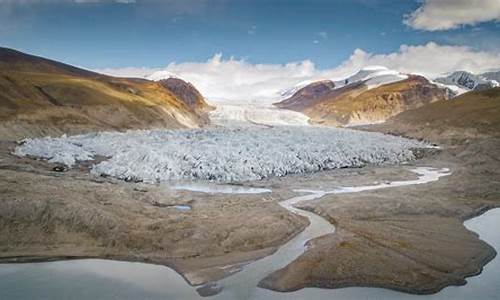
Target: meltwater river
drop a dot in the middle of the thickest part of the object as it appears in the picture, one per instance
(104, 279)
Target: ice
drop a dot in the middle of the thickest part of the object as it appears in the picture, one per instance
(222, 154)
(373, 76)
(230, 115)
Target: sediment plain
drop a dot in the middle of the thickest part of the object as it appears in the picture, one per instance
(410, 238)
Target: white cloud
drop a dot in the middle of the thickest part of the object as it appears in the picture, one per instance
(429, 60)
(448, 14)
(240, 81)
(136, 72)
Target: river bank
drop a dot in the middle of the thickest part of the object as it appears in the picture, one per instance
(90, 278)
(74, 214)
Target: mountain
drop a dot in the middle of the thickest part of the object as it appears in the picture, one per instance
(373, 76)
(369, 96)
(493, 76)
(187, 93)
(308, 95)
(467, 117)
(40, 97)
(467, 81)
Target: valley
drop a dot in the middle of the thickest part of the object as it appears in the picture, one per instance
(243, 200)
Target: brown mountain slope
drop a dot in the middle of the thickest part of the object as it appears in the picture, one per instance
(186, 92)
(356, 104)
(470, 116)
(43, 97)
(308, 95)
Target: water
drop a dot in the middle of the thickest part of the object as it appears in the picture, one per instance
(219, 188)
(182, 207)
(104, 279)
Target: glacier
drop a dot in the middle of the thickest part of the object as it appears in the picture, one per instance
(221, 154)
(247, 114)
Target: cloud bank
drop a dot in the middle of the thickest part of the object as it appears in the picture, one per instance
(449, 14)
(237, 80)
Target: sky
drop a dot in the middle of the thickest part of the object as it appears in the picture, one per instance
(302, 39)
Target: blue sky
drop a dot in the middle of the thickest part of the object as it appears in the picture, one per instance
(107, 34)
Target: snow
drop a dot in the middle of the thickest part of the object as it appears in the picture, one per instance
(455, 89)
(230, 115)
(289, 92)
(373, 76)
(465, 80)
(222, 154)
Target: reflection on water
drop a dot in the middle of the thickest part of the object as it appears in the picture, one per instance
(103, 279)
(485, 286)
(91, 279)
(213, 188)
(182, 207)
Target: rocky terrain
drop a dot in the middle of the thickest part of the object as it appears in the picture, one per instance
(493, 75)
(405, 238)
(412, 239)
(474, 116)
(46, 214)
(308, 95)
(187, 93)
(468, 81)
(359, 102)
(40, 97)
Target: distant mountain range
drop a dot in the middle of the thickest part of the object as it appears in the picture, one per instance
(44, 97)
(374, 94)
(370, 96)
(40, 97)
(470, 82)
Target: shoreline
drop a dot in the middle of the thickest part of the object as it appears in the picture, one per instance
(358, 176)
(40, 259)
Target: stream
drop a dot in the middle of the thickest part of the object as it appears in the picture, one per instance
(104, 279)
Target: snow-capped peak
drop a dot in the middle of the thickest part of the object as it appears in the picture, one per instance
(467, 81)
(373, 76)
(374, 68)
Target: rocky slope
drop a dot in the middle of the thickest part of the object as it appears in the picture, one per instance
(468, 117)
(467, 81)
(44, 97)
(493, 75)
(308, 95)
(370, 100)
(187, 93)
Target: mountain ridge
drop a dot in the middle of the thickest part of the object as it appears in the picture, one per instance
(40, 97)
(370, 99)
(467, 80)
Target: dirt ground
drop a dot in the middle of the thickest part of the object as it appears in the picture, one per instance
(410, 238)
(405, 238)
(46, 215)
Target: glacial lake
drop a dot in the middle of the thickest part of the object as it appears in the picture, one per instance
(106, 279)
